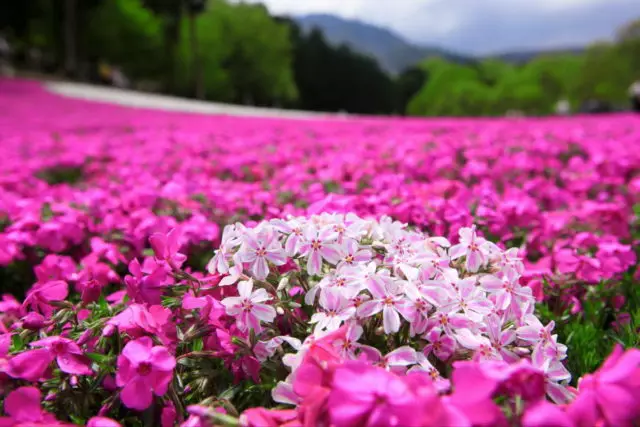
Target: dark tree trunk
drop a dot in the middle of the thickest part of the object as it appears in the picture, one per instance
(196, 66)
(70, 59)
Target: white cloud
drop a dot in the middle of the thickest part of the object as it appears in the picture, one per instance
(479, 26)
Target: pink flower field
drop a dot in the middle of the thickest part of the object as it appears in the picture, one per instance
(166, 269)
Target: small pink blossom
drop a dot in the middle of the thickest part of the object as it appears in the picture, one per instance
(143, 370)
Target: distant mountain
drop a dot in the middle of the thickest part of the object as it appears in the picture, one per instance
(520, 57)
(394, 54)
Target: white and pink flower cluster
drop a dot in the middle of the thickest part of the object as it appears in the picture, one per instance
(410, 301)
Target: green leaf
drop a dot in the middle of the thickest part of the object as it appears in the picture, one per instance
(17, 343)
(98, 358)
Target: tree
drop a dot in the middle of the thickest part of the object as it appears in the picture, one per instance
(408, 83)
(170, 12)
(195, 8)
(129, 36)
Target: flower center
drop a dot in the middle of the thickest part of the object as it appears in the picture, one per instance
(247, 305)
(434, 374)
(144, 368)
(261, 252)
(388, 301)
(315, 245)
(349, 259)
(57, 348)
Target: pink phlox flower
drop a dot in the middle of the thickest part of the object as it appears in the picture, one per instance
(11, 307)
(258, 248)
(200, 416)
(500, 338)
(419, 302)
(449, 322)
(230, 240)
(41, 295)
(472, 395)
(534, 332)
(295, 230)
(442, 346)
(506, 290)
(67, 353)
(108, 251)
(55, 267)
(432, 261)
(262, 417)
(397, 360)
(511, 259)
(611, 395)
(319, 245)
(348, 346)
(266, 349)
(248, 307)
(30, 365)
(143, 288)
(546, 414)
(351, 253)
(483, 350)
(517, 379)
(23, 408)
(102, 422)
(475, 249)
(386, 297)
(364, 395)
(424, 365)
(336, 310)
(137, 320)
(166, 247)
(143, 370)
(210, 308)
(464, 296)
(556, 376)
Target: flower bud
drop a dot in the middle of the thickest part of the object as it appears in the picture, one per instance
(284, 282)
(108, 330)
(86, 335)
(33, 321)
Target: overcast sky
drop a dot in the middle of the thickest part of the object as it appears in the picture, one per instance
(480, 26)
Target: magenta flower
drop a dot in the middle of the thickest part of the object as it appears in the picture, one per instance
(30, 365)
(143, 370)
(41, 295)
(23, 409)
(143, 288)
(472, 397)
(67, 354)
(546, 414)
(248, 308)
(165, 248)
(363, 395)
(102, 422)
(610, 396)
(441, 345)
(257, 249)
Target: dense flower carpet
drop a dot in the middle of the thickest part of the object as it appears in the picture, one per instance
(167, 269)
